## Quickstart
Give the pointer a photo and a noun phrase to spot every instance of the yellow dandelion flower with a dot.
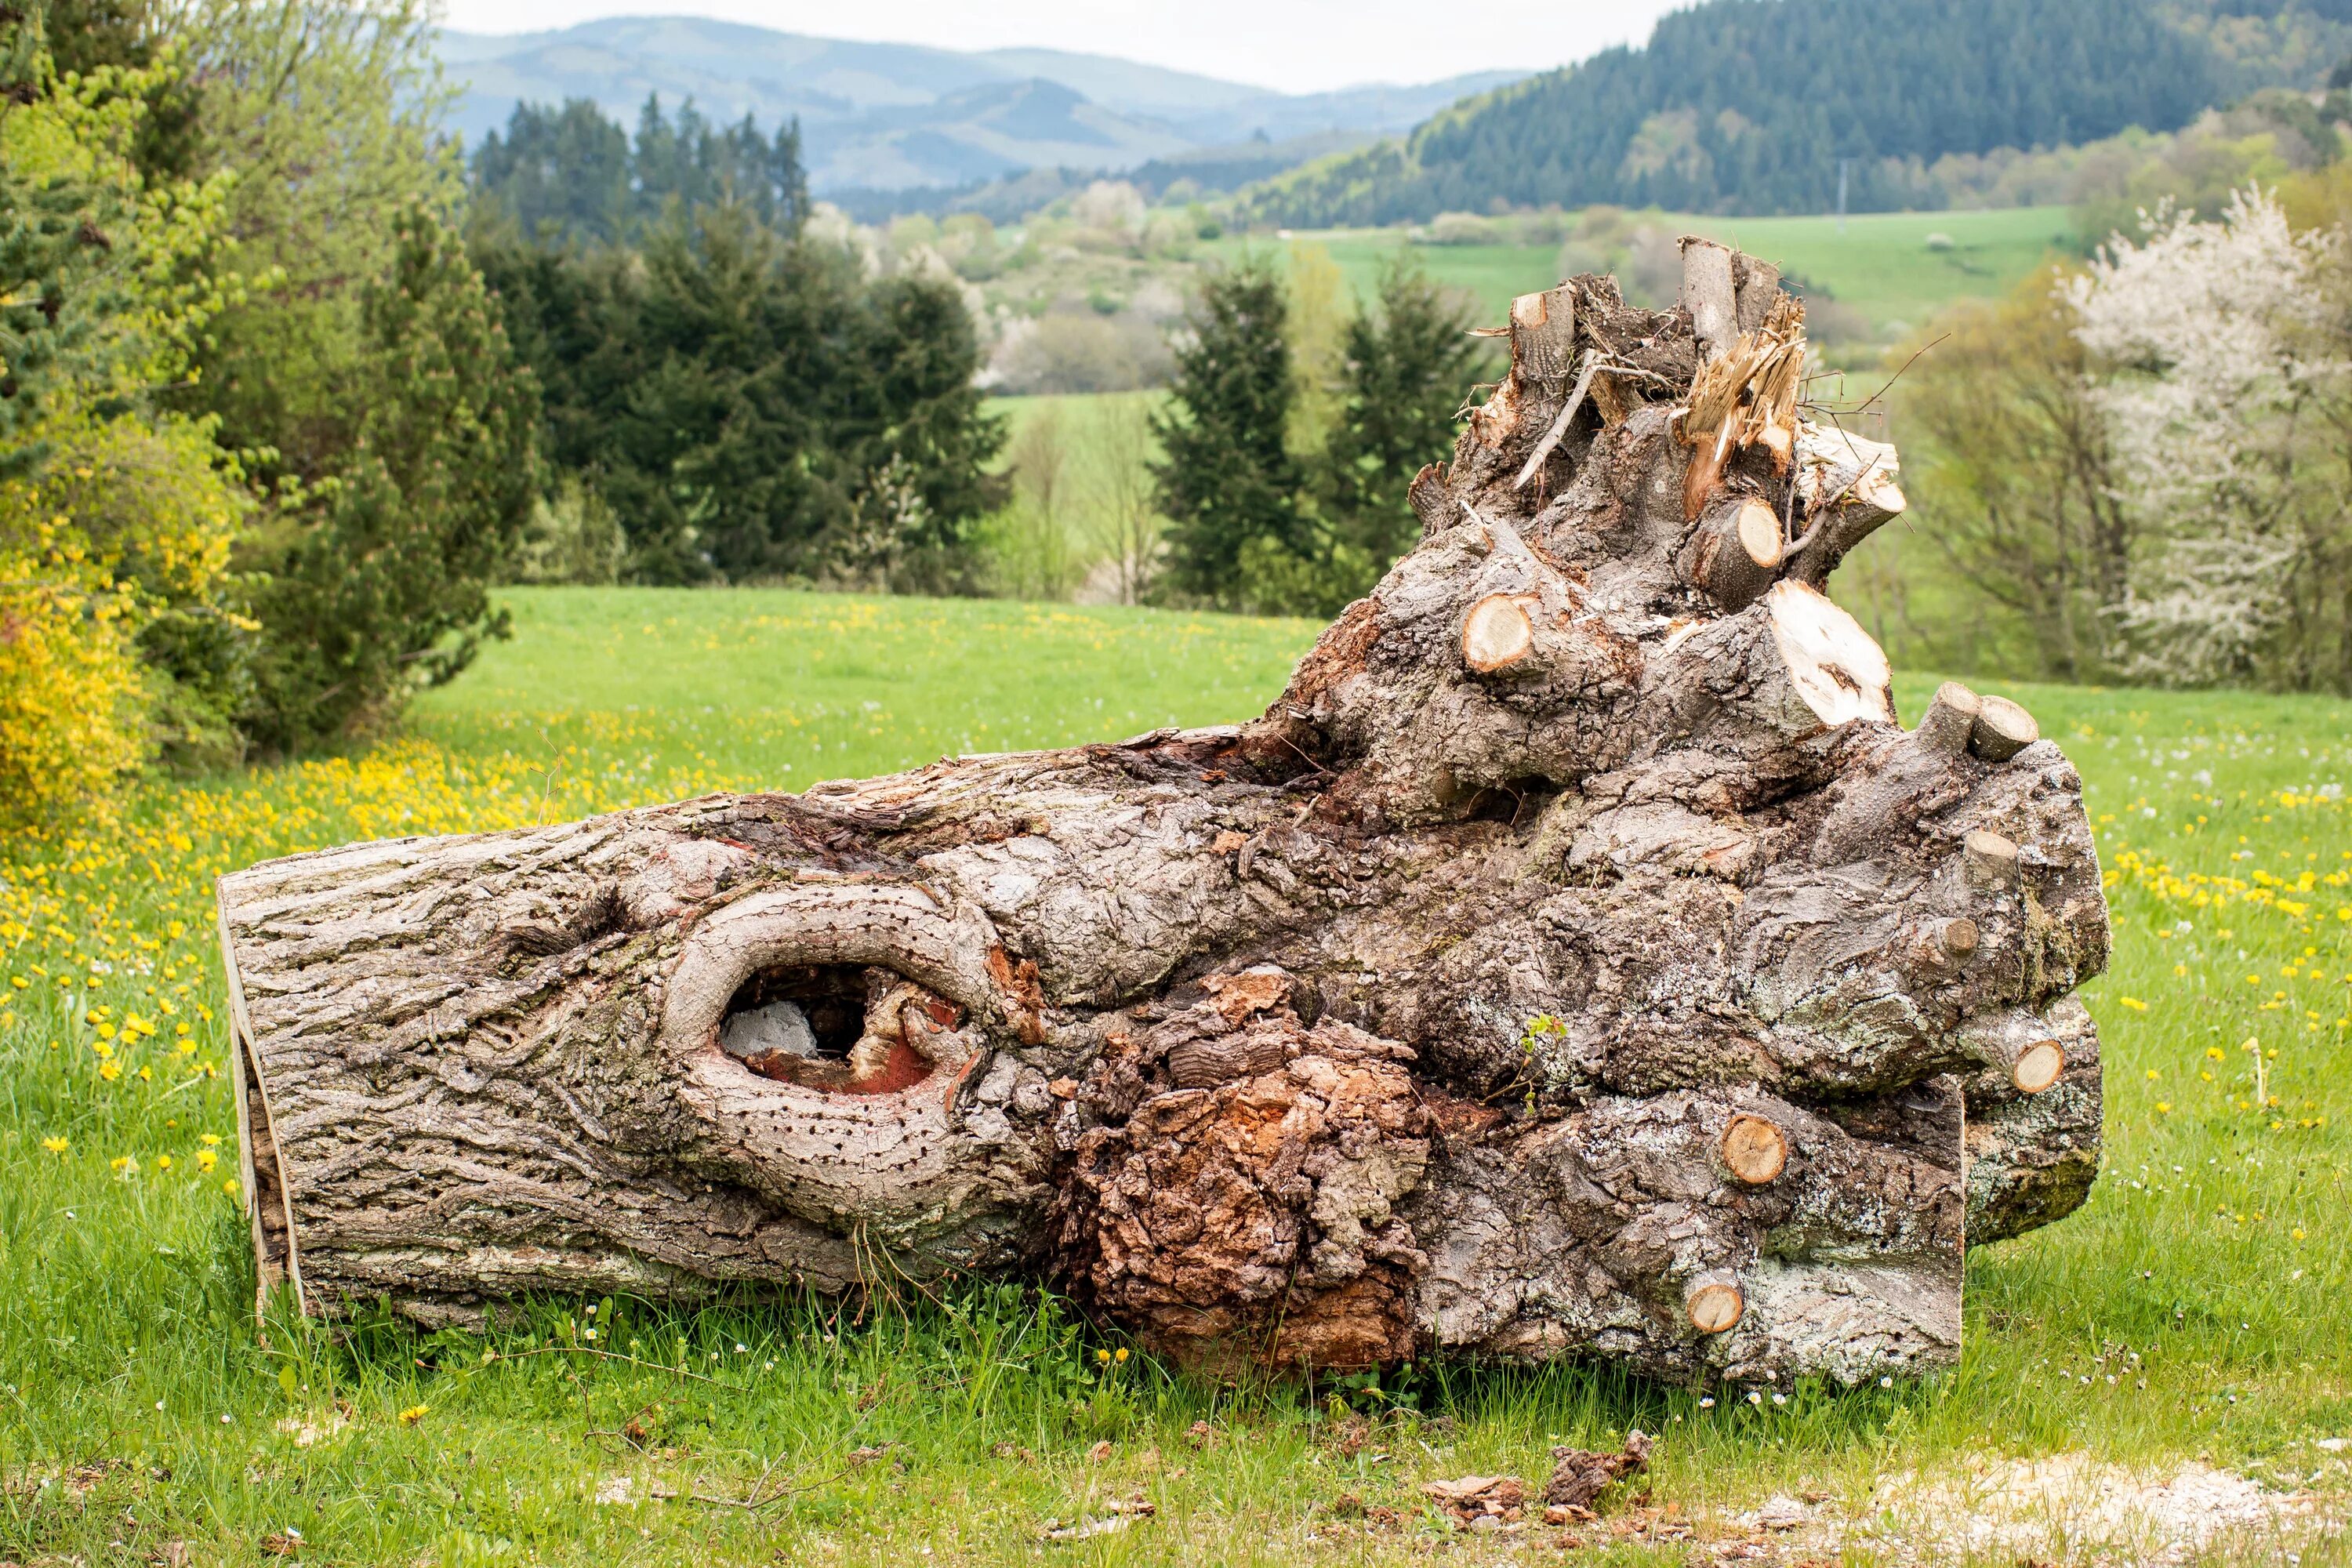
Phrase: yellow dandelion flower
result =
(413, 1414)
(2164, 1105)
(162, 1161)
(205, 1161)
(57, 1146)
(2135, 1004)
(211, 1140)
(109, 1071)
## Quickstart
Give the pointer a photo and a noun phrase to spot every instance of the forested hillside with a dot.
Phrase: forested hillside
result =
(1759, 105)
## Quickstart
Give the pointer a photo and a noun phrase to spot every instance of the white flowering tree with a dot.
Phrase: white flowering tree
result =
(2220, 379)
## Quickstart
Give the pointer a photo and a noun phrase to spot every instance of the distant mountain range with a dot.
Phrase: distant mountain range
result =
(892, 116)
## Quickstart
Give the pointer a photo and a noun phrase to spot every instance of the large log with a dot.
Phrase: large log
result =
(1576, 958)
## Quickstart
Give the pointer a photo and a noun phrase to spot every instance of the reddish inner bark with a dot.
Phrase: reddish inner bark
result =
(904, 1067)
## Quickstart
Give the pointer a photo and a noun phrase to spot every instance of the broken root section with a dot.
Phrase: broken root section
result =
(1240, 1213)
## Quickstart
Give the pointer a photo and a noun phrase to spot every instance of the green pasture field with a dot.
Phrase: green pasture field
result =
(1882, 263)
(1080, 412)
(1879, 263)
(2192, 1311)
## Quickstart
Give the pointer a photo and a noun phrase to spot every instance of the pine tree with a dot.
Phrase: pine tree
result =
(51, 251)
(572, 175)
(1227, 479)
(383, 584)
(1408, 367)
(754, 409)
(565, 168)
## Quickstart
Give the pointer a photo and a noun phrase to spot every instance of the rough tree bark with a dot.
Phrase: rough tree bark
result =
(1576, 958)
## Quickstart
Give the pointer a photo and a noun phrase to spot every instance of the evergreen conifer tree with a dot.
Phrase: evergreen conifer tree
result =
(1408, 365)
(382, 585)
(1227, 479)
(751, 407)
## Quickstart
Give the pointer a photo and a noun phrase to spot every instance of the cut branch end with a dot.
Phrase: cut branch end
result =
(1713, 1303)
(2003, 729)
(1755, 1150)
(1496, 634)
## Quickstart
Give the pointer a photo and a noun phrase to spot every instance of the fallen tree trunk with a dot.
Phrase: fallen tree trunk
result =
(1575, 959)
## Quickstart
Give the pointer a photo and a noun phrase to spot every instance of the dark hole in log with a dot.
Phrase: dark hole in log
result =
(840, 1027)
(829, 999)
(1520, 801)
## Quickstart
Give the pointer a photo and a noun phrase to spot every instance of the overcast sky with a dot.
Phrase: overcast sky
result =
(1299, 46)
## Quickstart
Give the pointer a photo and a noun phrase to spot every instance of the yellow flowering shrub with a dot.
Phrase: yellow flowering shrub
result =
(116, 518)
(112, 641)
(71, 691)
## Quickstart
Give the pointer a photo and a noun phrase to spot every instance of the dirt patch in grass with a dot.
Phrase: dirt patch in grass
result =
(2066, 1508)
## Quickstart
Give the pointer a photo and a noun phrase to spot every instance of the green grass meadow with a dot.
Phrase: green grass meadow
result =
(2194, 1310)
(1880, 263)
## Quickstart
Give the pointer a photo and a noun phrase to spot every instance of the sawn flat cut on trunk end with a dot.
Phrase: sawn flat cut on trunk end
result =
(1577, 960)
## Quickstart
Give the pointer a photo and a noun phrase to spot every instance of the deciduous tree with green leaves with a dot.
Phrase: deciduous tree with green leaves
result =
(116, 512)
(362, 374)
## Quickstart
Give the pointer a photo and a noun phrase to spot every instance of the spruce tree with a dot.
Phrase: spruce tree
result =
(563, 169)
(1227, 479)
(1408, 365)
(753, 409)
(570, 174)
(381, 583)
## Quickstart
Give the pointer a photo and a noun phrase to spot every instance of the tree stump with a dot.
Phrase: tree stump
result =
(1578, 958)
